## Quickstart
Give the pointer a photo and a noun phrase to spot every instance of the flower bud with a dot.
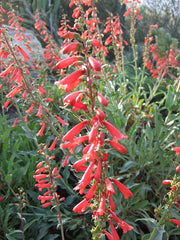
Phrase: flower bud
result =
(95, 64)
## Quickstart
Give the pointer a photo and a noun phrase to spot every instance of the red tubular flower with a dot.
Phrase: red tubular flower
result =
(76, 141)
(127, 12)
(74, 131)
(166, 182)
(21, 19)
(30, 110)
(96, 43)
(109, 187)
(116, 134)
(82, 206)
(102, 100)
(97, 173)
(64, 163)
(79, 163)
(45, 205)
(39, 113)
(96, 65)
(93, 132)
(108, 235)
(178, 168)
(101, 209)
(1, 198)
(122, 224)
(86, 178)
(61, 121)
(118, 146)
(52, 147)
(71, 48)
(24, 54)
(40, 170)
(111, 204)
(40, 133)
(81, 169)
(113, 230)
(92, 149)
(40, 176)
(71, 81)
(72, 98)
(18, 77)
(176, 149)
(40, 164)
(80, 106)
(55, 171)
(67, 62)
(14, 92)
(25, 119)
(176, 222)
(47, 193)
(49, 100)
(2, 10)
(24, 95)
(100, 114)
(76, 12)
(6, 104)
(69, 35)
(41, 90)
(43, 199)
(15, 122)
(125, 191)
(108, 40)
(43, 185)
(6, 71)
(90, 193)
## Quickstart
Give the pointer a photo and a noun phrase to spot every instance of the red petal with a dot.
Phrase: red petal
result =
(90, 193)
(176, 222)
(177, 149)
(73, 97)
(102, 100)
(108, 235)
(70, 48)
(116, 134)
(66, 62)
(64, 163)
(71, 81)
(118, 146)
(109, 187)
(81, 207)
(113, 230)
(96, 65)
(125, 191)
(74, 131)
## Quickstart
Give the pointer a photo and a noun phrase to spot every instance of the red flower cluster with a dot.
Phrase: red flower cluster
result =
(113, 25)
(133, 9)
(45, 179)
(94, 131)
(159, 65)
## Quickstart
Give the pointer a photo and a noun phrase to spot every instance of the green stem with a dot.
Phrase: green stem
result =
(155, 88)
(153, 234)
(59, 217)
(21, 207)
(52, 182)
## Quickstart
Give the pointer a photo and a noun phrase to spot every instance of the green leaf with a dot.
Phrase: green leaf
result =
(29, 224)
(14, 235)
(128, 165)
